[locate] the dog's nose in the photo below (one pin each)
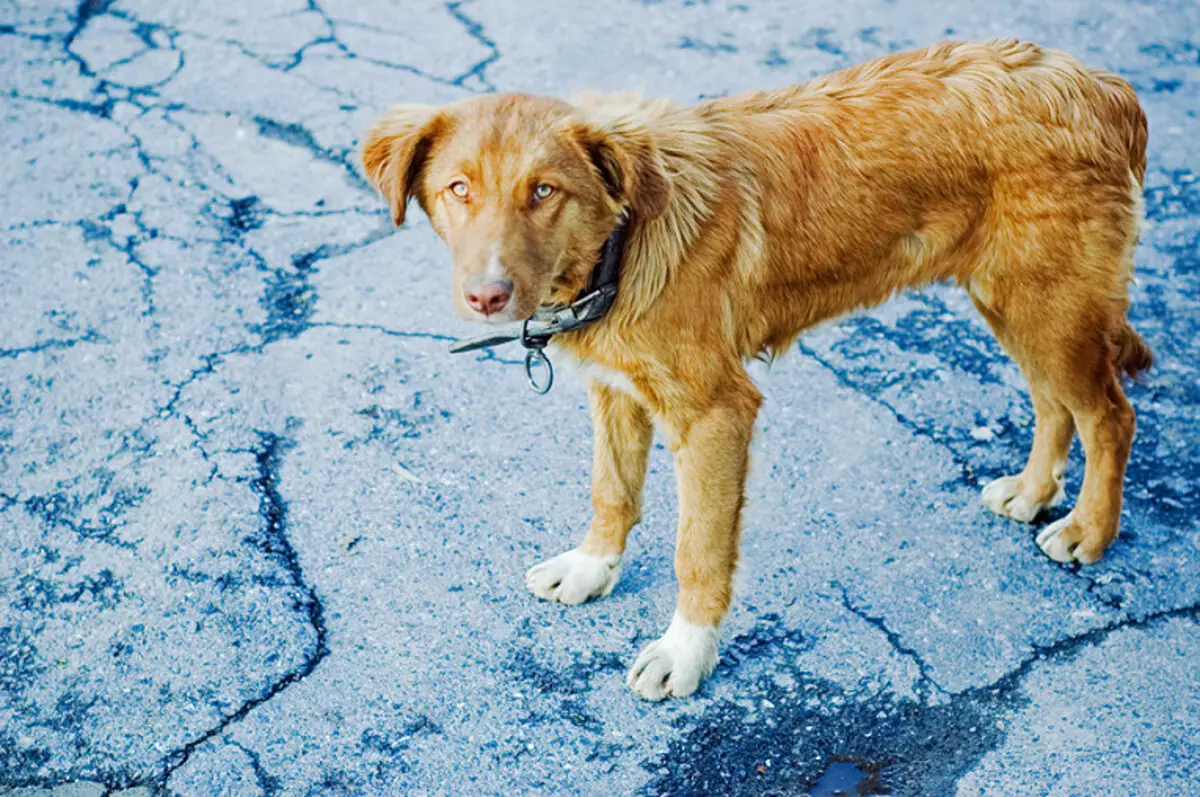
(490, 298)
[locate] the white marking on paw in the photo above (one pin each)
(1005, 497)
(1051, 541)
(574, 577)
(676, 663)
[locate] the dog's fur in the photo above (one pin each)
(1012, 169)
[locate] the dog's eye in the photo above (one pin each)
(543, 191)
(459, 189)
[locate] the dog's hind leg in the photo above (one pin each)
(623, 433)
(1069, 341)
(1106, 425)
(1040, 485)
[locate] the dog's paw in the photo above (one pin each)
(1065, 540)
(1009, 497)
(574, 577)
(675, 664)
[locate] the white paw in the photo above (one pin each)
(574, 577)
(1060, 541)
(675, 664)
(1005, 496)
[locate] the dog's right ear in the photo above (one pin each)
(395, 151)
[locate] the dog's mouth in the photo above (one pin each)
(497, 320)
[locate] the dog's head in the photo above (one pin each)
(522, 189)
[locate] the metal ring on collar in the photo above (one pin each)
(534, 356)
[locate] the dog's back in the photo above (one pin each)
(995, 89)
(967, 161)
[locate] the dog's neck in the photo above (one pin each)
(690, 147)
(583, 274)
(602, 280)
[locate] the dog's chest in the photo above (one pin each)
(591, 371)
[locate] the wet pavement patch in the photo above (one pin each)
(847, 779)
(792, 746)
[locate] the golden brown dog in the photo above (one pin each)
(1012, 169)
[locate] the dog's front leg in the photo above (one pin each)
(623, 433)
(711, 458)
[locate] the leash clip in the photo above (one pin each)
(535, 358)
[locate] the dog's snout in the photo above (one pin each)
(489, 298)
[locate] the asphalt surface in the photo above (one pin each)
(261, 534)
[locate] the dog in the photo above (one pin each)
(1011, 169)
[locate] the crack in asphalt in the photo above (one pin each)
(894, 639)
(85, 12)
(91, 336)
(471, 27)
(296, 135)
(1069, 646)
(967, 471)
(476, 31)
(268, 783)
(289, 298)
(102, 110)
(89, 9)
(274, 542)
(58, 509)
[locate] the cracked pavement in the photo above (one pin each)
(261, 534)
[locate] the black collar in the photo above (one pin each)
(548, 321)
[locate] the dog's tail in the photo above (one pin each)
(1130, 352)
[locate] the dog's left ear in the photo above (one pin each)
(396, 148)
(629, 164)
